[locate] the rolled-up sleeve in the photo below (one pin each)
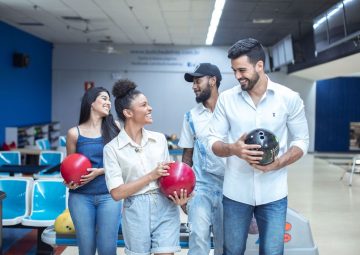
(186, 136)
(113, 173)
(166, 149)
(219, 124)
(297, 124)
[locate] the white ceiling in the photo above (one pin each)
(183, 22)
(168, 22)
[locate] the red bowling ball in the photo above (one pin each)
(74, 166)
(181, 177)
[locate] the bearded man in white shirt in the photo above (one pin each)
(251, 188)
(205, 208)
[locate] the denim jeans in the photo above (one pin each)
(205, 216)
(270, 219)
(150, 224)
(96, 219)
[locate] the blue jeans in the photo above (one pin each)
(270, 218)
(205, 216)
(96, 219)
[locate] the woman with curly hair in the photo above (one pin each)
(134, 161)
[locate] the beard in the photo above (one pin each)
(250, 83)
(204, 95)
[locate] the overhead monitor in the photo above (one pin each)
(352, 16)
(282, 52)
(336, 23)
(321, 36)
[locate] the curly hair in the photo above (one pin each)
(124, 92)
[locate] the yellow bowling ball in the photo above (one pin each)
(64, 224)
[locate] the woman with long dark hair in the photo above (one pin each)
(95, 214)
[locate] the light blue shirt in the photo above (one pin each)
(281, 111)
(209, 169)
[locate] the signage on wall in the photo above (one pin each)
(168, 59)
(89, 85)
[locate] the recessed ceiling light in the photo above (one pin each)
(215, 18)
(262, 21)
(38, 24)
(73, 18)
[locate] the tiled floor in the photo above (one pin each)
(331, 206)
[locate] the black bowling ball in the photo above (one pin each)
(269, 144)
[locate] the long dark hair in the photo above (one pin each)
(109, 129)
(124, 92)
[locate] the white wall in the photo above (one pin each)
(159, 73)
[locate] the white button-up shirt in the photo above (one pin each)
(213, 177)
(281, 111)
(125, 161)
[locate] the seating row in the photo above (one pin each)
(34, 203)
(44, 143)
(48, 158)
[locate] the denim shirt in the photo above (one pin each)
(209, 169)
(92, 148)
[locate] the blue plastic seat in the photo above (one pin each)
(16, 205)
(43, 144)
(49, 199)
(50, 158)
(62, 141)
(9, 158)
(62, 144)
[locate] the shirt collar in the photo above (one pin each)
(270, 85)
(124, 139)
(201, 108)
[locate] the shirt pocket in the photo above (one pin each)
(273, 119)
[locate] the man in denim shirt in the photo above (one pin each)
(205, 208)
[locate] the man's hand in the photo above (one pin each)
(247, 152)
(270, 167)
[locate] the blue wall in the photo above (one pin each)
(337, 104)
(25, 93)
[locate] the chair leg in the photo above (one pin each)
(352, 171)
(43, 248)
(342, 177)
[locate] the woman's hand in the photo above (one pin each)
(71, 185)
(93, 173)
(159, 171)
(182, 199)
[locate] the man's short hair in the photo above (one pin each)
(249, 47)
